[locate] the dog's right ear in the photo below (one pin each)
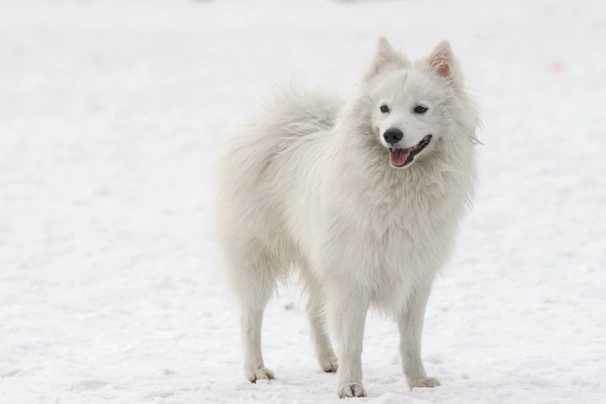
(384, 57)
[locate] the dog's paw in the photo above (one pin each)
(260, 373)
(352, 390)
(330, 364)
(424, 382)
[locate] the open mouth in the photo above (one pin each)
(403, 157)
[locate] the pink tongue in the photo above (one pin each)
(398, 156)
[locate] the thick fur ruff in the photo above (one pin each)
(309, 185)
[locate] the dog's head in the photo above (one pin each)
(411, 102)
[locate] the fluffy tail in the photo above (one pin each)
(300, 113)
(290, 115)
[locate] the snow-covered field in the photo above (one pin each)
(110, 116)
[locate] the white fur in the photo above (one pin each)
(309, 186)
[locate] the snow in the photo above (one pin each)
(110, 117)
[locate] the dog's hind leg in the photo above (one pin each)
(253, 274)
(316, 313)
(410, 323)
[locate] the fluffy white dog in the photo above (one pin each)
(362, 198)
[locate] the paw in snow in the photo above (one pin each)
(424, 382)
(330, 364)
(260, 373)
(351, 390)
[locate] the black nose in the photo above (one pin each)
(393, 135)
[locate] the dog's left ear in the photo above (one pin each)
(384, 57)
(441, 61)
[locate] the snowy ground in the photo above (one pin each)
(110, 115)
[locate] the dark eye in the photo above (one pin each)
(384, 109)
(420, 109)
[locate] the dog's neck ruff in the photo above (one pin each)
(448, 170)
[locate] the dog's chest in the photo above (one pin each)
(413, 236)
(390, 233)
(404, 238)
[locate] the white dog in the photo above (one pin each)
(363, 198)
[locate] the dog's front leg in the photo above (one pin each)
(350, 316)
(410, 323)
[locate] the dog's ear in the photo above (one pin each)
(441, 61)
(384, 57)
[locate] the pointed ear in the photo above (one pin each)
(384, 57)
(441, 60)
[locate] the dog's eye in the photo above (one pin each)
(420, 109)
(384, 108)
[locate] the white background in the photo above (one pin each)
(111, 113)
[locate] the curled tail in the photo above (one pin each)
(290, 115)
